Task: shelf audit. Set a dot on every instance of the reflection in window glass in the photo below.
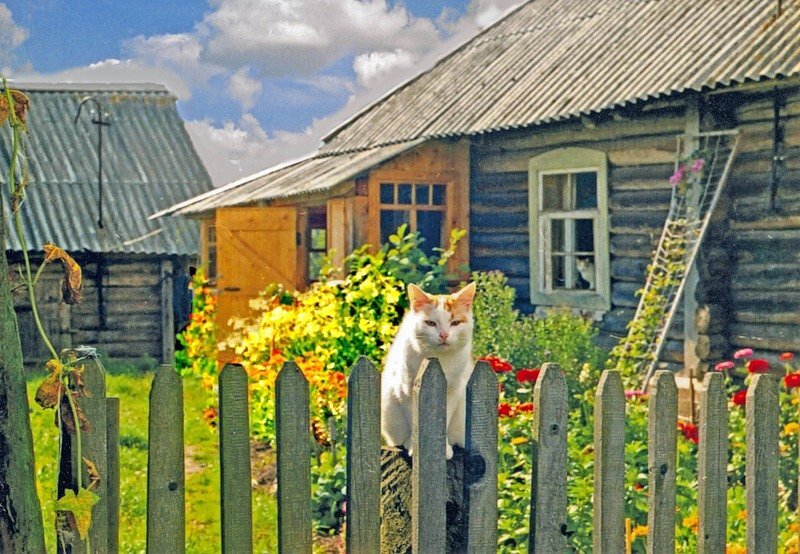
(387, 193)
(438, 195)
(556, 195)
(586, 190)
(559, 274)
(391, 220)
(404, 193)
(557, 236)
(429, 226)
(319, 239)
(584, 235)
(423, 193)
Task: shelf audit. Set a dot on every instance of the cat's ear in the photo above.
(418, 298)
(465, 296)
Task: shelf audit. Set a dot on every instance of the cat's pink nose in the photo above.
(443, 335)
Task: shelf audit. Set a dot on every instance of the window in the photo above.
(210, 249)
(422, 206)
(568, 203)
(317, 243)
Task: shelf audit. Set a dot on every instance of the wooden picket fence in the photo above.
(548, 502)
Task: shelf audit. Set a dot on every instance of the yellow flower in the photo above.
(519, 440)
(735, 549)
(638, 531)
(791, 428)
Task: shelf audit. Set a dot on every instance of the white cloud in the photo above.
(371, 67)
(243, 88)
(11, 34)
(179, 52)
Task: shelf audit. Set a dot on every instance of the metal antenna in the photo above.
(99, 118)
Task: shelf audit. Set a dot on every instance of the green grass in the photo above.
(202, 478)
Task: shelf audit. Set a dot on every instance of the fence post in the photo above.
(166, 499)
(761, 481)
(712, 470)
(549, 478)
(234, 456)
(428, 472)
(662, 433)
(364, 459)
(480, 471)
(608, 534)
(294, 462)
(112, 440)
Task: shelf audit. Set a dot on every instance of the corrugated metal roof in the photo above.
(302, 177)
(554, 59)
(149, 163)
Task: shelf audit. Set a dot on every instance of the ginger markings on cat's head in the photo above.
(442, 320)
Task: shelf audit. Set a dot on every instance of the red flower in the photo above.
(527, 375)
(757, 365)
(525, 407)
(787, 357)
(504, 409)
(635, 394)
(722, 366)
(689, 431)
(740, 397)
(792, 380)
(638, 486)
(498, 365)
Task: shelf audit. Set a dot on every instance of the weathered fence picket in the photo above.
(363, 535)
(712, 466)
(112, 438)
(480, 472)
(608, 534)
(234, 455)
(428, 482)
(293, 460)
(166, 497)
(549, 479)
(662, 435)
(762, 412)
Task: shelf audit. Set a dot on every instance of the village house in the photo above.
(551, 137)
(135, 271)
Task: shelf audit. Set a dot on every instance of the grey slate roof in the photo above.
(149, 163)
(551, 60)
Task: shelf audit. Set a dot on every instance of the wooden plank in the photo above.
(363, 534)
(234, 457)
(480, 472)
(428, 481)
(761, 466)
(166, 497)
(294, 465)
(112, 488)
(712, 470)
(609, 464)
(167, 319)
(549, 474)
(661, 463)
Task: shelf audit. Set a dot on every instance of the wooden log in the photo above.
(480, 472)
(761, 473)
(661, 463)
(652, 199)
(766, 300)
(711, 319)
(766, 336)
(428, 474)
(713, 466)
(363, 458)
(624, 294)
(166, 490)
(548, 521)
(293, 463)
(629, 269)
(762, 220)
(113, 480)
(712, 347)
(634, 245)
(765, 276)
(608, 533)
(639, 219)
(748, 316)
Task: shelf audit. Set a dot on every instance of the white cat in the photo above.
(435, 326)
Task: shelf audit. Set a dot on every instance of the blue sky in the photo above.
(258, 81)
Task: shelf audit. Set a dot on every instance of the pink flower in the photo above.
(698, 165)
(743, 353)
(677, 177)
(634, 393)
(722, 366)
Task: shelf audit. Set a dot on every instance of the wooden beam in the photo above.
(167, 314)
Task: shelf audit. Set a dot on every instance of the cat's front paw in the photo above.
(448, 451)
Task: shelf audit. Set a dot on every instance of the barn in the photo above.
(135, 270)
(551, 137)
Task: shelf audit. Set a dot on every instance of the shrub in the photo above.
(198, 357)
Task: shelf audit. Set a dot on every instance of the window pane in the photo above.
(315, 260)
(212, 262)
(558, 272)
(584, 235)
(423, 193)
(438, 195)
(390, 221)
(319, 240)
(557, 236)
(211, 234)
(586, 273)
(556, 193)
(404, 194)
(387, 193)
(586, 190)
(429, 226)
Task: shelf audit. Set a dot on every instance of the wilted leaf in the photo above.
(21, 105)
(49, 391)
(73, 276)
(81, 507)
(66, 415)
(94, 475)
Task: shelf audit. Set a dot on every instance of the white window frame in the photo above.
(569, 161)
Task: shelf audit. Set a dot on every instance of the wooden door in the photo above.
(255, 247)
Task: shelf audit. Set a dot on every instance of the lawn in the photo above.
(132, 387)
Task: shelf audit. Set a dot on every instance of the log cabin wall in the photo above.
(137, 309)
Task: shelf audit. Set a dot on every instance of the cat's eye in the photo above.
(430, 323)
(456, 322)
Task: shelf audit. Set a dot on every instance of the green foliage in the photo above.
(328, 490)
(199, 340)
